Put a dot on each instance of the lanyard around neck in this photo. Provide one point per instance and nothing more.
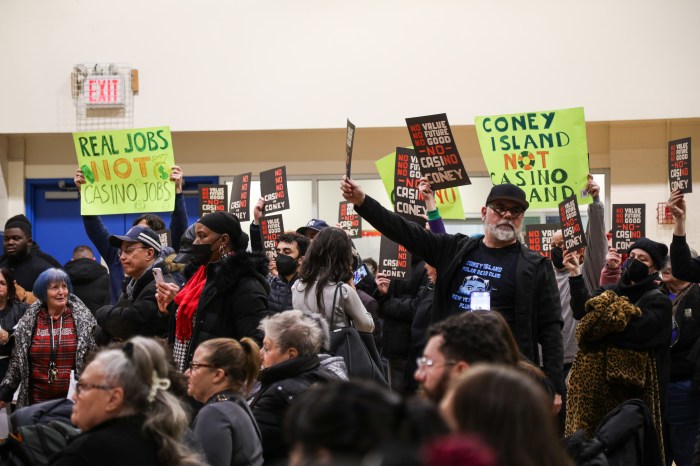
(54, 351)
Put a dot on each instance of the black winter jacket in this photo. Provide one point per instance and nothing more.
(138, 315)
(232, 303)
(280, 298)
(281, 384)
(8, 319)
(397, 311)
(537, 308)
(90, 282)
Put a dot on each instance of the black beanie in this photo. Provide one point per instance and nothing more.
(657, 251)
(20, 221)
(224, 222)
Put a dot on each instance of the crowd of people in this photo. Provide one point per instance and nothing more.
(207, 353)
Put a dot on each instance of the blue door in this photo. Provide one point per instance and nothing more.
(55, 214)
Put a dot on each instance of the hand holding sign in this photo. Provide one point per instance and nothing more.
(676, 203)
(352, 191)
(176, 176)
(258, 211)
(592, 188)
(613, 259)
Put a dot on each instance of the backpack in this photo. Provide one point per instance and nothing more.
(34, 445)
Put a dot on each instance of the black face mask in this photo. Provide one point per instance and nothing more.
(286, 265)
(201, 253)
(634, 271)
(558, 257)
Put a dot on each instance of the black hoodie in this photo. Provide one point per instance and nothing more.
(90, 282)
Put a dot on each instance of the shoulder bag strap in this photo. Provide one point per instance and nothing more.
(335, 297)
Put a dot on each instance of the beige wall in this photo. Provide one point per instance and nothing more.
(280, 64)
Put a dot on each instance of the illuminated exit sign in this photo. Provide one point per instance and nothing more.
(104, 91)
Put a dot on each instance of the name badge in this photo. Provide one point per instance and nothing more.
(480, 300)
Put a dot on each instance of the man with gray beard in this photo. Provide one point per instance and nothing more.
(495, 271)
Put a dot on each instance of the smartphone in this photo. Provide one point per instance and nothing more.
(158, 273)
(480, 300)
(359, 274)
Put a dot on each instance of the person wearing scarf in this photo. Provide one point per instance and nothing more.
(227, 295)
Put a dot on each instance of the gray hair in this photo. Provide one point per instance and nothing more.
(305, 331)
(139, 366)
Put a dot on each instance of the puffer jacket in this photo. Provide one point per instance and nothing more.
(232, 304)
(281, 384)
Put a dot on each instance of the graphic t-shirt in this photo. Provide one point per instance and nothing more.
(487, 269)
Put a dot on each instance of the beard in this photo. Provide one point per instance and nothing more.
(504, 231)
(436, 393)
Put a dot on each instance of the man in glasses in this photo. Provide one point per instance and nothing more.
(456, 344)
(136, 311)
(495, 271)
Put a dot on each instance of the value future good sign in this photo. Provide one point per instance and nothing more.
(538, 238)
(680, 172)
(628, 224)
(571, 226)
(437, 153)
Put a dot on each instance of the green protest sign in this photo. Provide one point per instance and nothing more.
(544, 153)
(448, 200)
(126, 171)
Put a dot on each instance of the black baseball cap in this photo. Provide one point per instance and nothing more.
(508, 192)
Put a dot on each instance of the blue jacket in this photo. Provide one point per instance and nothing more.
(99, 235)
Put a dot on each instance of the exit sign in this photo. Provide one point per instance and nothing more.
(104, 91)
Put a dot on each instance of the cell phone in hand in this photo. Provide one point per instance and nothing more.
(360, 274)
(158, 273)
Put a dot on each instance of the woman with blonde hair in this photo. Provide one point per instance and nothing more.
(221, 374)
(126, 412)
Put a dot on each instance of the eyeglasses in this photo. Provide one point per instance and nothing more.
(130, 251)
(196, 365)
(515, 212)
(84, 387)
(424, 362)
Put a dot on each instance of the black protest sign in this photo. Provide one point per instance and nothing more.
(273, 188)
(349, 220)
(240, 197)
(270, 229)
(628, 224)
(394, 260)
(349, 141)
(538, 238)
(212, 198)
(165, 238)
(572, 228)
(680, 173)
(437, 152)
(408, 201)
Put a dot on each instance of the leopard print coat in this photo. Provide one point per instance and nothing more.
(604, 376)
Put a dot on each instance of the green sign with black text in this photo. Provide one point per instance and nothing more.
(544, 153)
(126, 171)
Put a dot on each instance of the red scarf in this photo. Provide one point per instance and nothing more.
(187, 301)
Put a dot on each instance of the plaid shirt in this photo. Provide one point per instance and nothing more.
(65, 346)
